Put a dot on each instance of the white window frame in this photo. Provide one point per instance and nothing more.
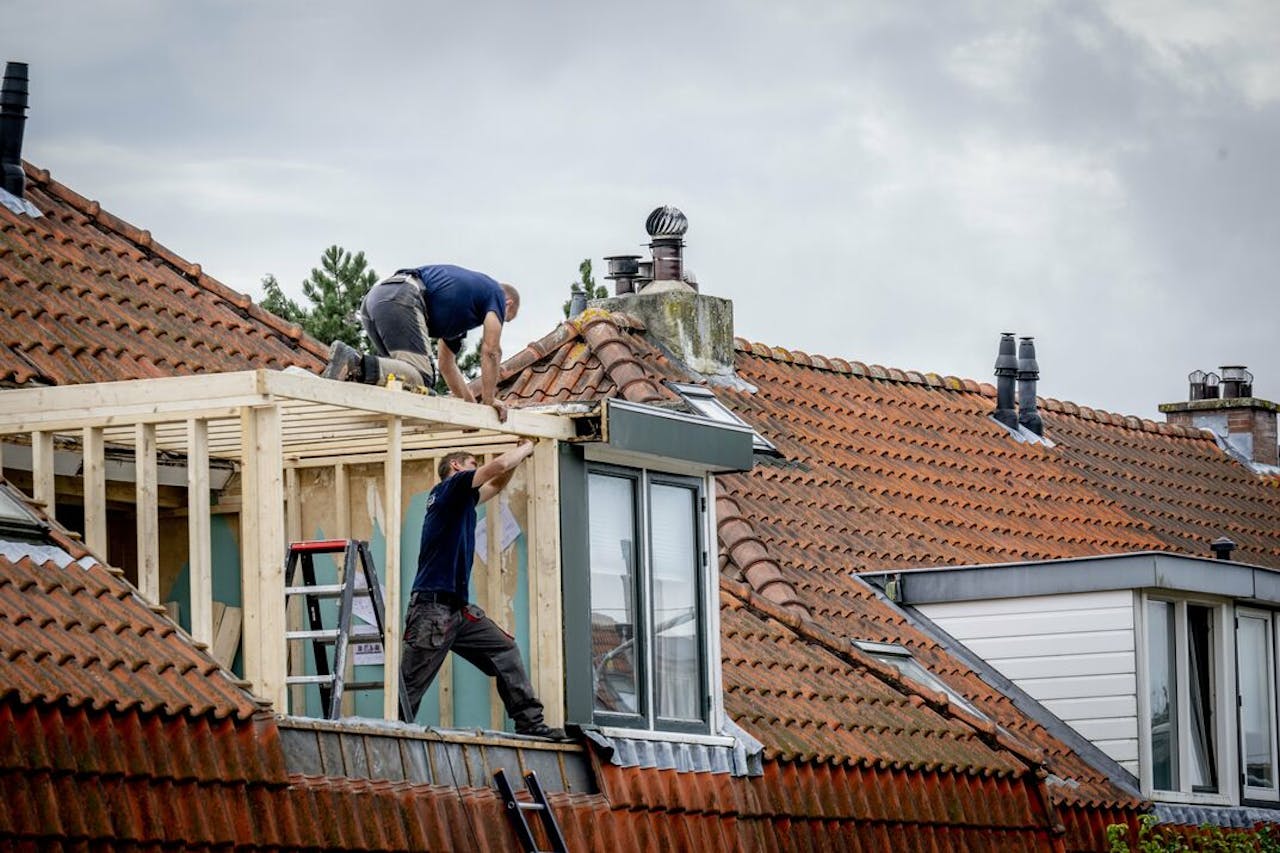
(1251, 792)
(1225, 713)
(712, 702)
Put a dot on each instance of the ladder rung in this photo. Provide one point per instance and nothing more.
(332, 590)
(364, 685)
(530, 807)
(320, 546)
(308, 679)
(328, 636)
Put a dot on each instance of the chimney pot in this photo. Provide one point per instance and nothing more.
(1028, 375)
(623, 272)
(666, 226)
(1006, 373)
(13, 116)
(1237, 382)
(1222, 548)
(577, 301)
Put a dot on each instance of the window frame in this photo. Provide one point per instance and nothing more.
(1225, 717)
(642, 480)
(1253, 793)
(697, 395)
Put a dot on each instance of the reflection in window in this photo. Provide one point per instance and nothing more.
(1204, 763)
(675, 551)
(1253, 646)
(613, 608)
(1162, 695)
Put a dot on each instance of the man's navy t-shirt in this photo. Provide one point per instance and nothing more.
(448, 537)
(458, 300)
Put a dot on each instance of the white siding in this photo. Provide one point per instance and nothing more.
(1074, 653)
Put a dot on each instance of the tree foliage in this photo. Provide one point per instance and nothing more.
(333, 293)
(586, 283)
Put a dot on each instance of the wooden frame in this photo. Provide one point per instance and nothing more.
(270, 422)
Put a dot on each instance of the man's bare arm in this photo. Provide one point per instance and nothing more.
(490, 358)
(452, 375)
(493, 476)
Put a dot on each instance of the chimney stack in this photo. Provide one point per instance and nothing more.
(1028, 375)
(695, 329)
(13, 115)
(1227, 407)
(1006, 374)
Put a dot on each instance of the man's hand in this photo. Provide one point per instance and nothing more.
(493, 476)
(501, 408)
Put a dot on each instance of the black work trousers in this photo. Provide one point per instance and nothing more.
(432, 629)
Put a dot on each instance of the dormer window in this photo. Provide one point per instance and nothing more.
(705, 403)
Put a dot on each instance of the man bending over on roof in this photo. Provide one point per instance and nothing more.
(404, 312)
(440, 618)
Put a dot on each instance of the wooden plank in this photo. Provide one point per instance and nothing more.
(295, 652)
(164, 391)
(147, 508)
(199, 535)
(42, 482)
(414, 450)
(262, 554)
(495, 602)
(392, 473)
(94, 472)
(546, 609)
(227, 639)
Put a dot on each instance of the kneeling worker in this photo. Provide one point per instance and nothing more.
(403, 313)
(440, 618)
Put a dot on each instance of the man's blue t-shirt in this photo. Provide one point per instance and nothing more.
(458, 300)
(448, 537)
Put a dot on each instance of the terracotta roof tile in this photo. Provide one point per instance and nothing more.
(87, 297)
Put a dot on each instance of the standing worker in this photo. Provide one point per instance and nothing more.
(403, 313)
(440, 618)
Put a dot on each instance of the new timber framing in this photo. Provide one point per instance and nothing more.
(269, 422)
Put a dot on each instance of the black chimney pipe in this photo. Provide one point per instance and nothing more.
(1006, 372)
(13, 115)
(577, 301)
(1222, 548)
(1028, 374)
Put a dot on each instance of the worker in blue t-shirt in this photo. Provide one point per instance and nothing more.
(403, 313)
(441, 618)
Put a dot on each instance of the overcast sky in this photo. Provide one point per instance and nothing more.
(895, 182)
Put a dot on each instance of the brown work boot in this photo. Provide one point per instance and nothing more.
(345, 363)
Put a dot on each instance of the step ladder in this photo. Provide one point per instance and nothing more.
(516, 810)
(330, 675)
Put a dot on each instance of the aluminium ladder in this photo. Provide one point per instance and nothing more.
(330, 676)
(516, 810)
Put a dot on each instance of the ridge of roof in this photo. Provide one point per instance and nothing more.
(955, 383)
(992, 735)
(744, 549)
(191, 272)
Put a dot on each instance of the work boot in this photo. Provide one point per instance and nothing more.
(543, 730)
(345, 363)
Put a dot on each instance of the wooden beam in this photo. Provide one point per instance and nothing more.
(106, 402)
(94, 471)
(545, 594)
(148, 512)
(262, 554)
(42, 482)
(414, 451)
(199, 536)
(495, 604)
(294, 606)
(391, 577)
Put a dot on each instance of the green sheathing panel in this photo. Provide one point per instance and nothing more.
(225, 548)
(717, 447)
(576, 580)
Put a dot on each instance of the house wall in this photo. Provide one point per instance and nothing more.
(1073, 653)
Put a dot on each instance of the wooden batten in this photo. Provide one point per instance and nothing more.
(262, 548)
(42, 482)
(392, 473)
(199, 537)
(94, 470)
(147, 506)
(545, 597)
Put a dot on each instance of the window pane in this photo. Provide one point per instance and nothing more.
(675, 601)
(1204, 766)
(615, 675)
(1162, 694)
(1253, 643)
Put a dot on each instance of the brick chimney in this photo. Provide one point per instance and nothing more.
(1224, 403)
(696, 329)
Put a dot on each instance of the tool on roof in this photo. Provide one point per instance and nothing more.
(516, 810)
(330, 675)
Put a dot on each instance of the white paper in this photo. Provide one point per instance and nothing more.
(510, 531)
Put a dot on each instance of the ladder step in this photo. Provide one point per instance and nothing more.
(331, 590)
(308, 679)
(320, 546)
(328, 635)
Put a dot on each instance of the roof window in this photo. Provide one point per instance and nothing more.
(900, 658)
(705, 403)
(17, 521)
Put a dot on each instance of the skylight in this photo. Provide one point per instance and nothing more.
(704, 402)
(16, 520)
(899, 657)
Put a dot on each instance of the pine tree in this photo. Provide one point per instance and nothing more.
(586, 283)
(335, 290)
(277, 303)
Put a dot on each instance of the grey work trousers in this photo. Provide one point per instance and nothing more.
(432, 629)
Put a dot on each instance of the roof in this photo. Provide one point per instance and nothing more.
(87, 297)
(884, 469)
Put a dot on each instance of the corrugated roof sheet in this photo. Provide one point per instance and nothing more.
(87, 297)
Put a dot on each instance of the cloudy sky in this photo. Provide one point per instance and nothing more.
(892, 182)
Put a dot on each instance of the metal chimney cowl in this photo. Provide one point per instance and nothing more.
(1006, 375)
(13, 116)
